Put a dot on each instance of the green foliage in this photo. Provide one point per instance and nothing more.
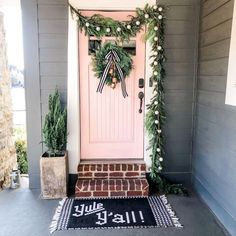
(55, 126)
(21, 153)
(100, 63)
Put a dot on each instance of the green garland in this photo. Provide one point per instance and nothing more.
(99, 62)
(153, 17)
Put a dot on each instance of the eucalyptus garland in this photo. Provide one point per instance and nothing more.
(100, 62)
(153, 17)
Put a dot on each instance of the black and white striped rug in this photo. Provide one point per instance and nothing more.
(143, 212)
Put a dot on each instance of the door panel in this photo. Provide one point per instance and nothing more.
(111, 126)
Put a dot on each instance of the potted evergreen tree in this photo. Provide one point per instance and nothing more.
(53, 163)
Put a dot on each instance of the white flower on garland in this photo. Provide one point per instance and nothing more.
(98, 28)
(156, 121)
(155, 28)
(156, 103)
(155, 7)
(137, 23)
(155, 63)
(160, 9)
(118, 29)
(156, 39)
(87, 24)
(160, 17)
(155, 73)
(156, 112)
(108, 30)
(128, 26)
(159, 168)
(158, 150)
(159, 131)
(159, 48)
(161, 159)
(155, 53)
(146, 16)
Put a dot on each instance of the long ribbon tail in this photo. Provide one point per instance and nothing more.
(122, 79)
(104, 76)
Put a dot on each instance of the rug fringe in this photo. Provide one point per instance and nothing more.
(55, 219)
(171, 212)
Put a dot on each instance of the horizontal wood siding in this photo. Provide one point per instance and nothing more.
(180, 48)
(215, 129)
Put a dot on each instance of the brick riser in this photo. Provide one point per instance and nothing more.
(111, 180)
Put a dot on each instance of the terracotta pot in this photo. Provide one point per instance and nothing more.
(54, 175)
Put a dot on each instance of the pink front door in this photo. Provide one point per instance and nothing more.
(111, 126)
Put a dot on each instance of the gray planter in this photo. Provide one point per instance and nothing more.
(53, 175)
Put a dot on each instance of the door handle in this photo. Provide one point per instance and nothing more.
(141, 96)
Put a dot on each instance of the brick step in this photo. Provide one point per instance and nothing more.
(111, 187)
(111, 171)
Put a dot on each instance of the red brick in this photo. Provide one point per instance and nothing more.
(83, 194)
(125, 185)
(118, 167)
(118, 185)
(98, 185)
(131, 185)
(92, 185)
(136, 167)
(80, 168)
(92, 167)
(132, 174)
(100, 194)
(138, 184)
(101, 174)
(144, 183)
(85, 174)
(134, 193)
(130, 167)
(105, 185)
(143, 167)
(99, 167)
(116, 174)
(79, 184)
(112, 185)
(124, 167)
(86, 167)
(111, 167)
(85, 185)
(118, 194)
(145, 192)
(105, 167)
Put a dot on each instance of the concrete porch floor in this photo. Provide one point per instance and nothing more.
(23, 213)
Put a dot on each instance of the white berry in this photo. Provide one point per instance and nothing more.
(156, 112)
(156, 39)
(158, 150)
(155, 28)
(108, 30)
(159, 131)
(98, 28)
(118, 29)
(137, 22)
(155, 63)
(87, 24)
(155, 53)
(128, 26)
(155, 7)
(159, 48)
(159, 168)
(156, 103)
(161, 159)
(146, 16)
(160, 17)
(160, 9)
(155, 73)
(156, 122)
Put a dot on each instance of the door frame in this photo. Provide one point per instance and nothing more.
(73, 77)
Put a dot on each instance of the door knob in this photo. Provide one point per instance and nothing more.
(141, 96)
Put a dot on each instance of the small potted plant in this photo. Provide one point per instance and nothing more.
(53, 163)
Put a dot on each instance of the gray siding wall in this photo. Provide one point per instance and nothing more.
(181, 52)
(45, 41)
(215, 128)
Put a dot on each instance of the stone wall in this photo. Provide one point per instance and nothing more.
(7, 149)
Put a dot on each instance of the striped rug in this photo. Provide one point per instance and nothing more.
(132, 212)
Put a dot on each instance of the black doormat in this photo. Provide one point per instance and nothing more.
(133, 212)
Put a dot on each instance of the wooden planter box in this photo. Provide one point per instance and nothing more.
(53, 174)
